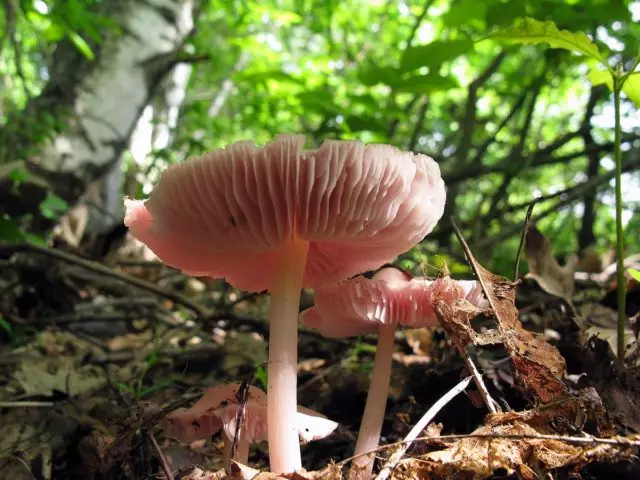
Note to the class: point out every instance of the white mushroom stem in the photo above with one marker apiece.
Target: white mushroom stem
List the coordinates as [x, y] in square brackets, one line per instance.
[242, 450]
[369, 434]
[284, 446]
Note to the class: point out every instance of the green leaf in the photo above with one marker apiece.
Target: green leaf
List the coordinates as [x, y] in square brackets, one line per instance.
[529, 30]
[631, 86]
[53, 206]
[319, 100]
[261, 376]
[434, 54]
[19, 175]
[424, 84]
[598, 77]
[357, 123]
[124, 387]
[275, 75]
[35, 239]
[371, 74]
[81, 44]
[10, 231]
[6, 326]
[635, 274]
[464, 12]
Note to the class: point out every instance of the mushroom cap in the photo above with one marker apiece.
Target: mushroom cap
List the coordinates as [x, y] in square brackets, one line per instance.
[360, 306]
[226, 214]
[209, 414]
[218, 409]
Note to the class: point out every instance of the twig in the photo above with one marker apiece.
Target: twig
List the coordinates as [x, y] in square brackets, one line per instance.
[161, 457]
[477, 376]
[618, 442]
[96, 267]
[461, 348]
[472, 262]
[24, 464]
[25, 404]
[523, 237]
[420, 426]
[242, 396]
[128, 355]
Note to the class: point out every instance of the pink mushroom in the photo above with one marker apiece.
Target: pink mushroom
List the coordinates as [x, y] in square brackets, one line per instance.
[218, 410]
[389, 300]
[279, 218]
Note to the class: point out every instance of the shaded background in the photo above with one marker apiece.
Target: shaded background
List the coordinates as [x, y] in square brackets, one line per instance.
[98, 97]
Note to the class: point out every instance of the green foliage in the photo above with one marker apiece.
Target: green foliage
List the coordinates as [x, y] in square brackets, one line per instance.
[631, 87]
[261, 377]
[635, 274]
[137, 387]
[53, 206]
[386, 72]
[529, 30]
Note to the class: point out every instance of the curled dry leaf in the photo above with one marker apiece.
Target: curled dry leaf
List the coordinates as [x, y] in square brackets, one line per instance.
[602, 322]
[538, 366]
[545, 270]
[477, 458]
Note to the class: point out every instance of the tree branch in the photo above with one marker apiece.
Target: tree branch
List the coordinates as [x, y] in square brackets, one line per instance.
[422, 111]
[101, 269]
[567, 196]
[574, 194]
[517, 151]
[540, 158]
[393, 125]
[469, 118]
[586, 236]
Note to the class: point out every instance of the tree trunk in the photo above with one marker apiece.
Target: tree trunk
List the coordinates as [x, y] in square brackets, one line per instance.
[90, 108]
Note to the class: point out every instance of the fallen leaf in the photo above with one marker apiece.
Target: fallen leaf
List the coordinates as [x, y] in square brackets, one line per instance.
[545, 270]
[602, 322]
[538, 366]
[526, 457]
[43, 376]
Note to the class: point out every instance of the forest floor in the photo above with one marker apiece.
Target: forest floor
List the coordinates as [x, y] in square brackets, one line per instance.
[93, 357]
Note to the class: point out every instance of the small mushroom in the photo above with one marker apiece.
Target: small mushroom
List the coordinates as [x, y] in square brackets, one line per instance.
[361, 306]
[218, 410]
[280, 218]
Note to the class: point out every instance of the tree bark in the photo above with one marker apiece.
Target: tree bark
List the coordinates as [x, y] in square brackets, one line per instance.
[586, 236]
[75, 131]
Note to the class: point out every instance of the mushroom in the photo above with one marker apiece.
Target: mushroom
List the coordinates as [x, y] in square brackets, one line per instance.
[360, 306]
[218, 410]
[280, 218]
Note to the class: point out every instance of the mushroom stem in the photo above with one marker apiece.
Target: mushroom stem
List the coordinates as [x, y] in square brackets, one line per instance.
[369, 434]
[284, 446]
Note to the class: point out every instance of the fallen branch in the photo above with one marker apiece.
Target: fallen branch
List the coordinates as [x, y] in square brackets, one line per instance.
[616, 442]
[420, 426]
[163, 461]
[96, 267]
[525, 229]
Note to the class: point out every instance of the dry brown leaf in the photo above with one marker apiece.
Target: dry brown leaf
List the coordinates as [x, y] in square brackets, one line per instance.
[545, 270]
[238, 471]
[477, 458]
[538, 366]
[603, 323]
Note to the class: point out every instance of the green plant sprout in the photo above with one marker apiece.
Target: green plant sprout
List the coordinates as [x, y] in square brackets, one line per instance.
[531, 31]
[137, 388]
